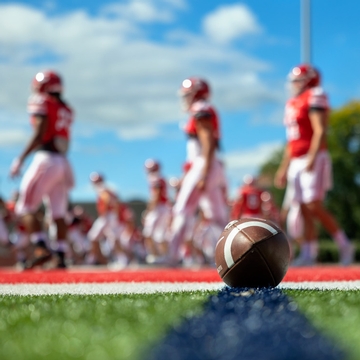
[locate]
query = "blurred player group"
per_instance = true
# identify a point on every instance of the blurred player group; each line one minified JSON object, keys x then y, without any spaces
{"x":177,"y":230}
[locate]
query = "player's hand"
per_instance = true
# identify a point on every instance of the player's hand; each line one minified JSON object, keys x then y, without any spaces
{"x":280,"y":179}
{"x":15,"y":168}
{"x":310,"y":165}
{"x":201,"y":183}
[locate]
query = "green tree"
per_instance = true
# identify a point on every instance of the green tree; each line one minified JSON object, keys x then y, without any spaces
{"x":344,"y":146}
{"x":266,"y":176}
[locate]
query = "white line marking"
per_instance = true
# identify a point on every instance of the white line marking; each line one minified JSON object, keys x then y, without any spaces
{"x":228,"y":242}
{"x":150,"y":287}
{"x":322,"y":285}
{"x":106,"y":288}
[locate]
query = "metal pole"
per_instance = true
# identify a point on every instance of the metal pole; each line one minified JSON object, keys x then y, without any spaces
{"x":305,"y":32}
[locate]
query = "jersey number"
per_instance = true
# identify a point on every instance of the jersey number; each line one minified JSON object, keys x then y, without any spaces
{"x":292,"y":126}
{"x":63,"y":120}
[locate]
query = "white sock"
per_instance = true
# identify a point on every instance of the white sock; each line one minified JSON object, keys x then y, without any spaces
{"x":62,"y":246}
{"x":313,"y":250}
{"x":90,"y":259}
{"x":341,"y":239}
{"x":37,"y":236}
{"x":304,"y":250}
{"x":309,"y":250}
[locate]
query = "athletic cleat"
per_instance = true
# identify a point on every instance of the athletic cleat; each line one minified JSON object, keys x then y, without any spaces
{"x":61,"y":264}
{"x":301,"y":261}
{"x":165,"y":260}
{"x":41,"y":256}
{"x":38,"y":260}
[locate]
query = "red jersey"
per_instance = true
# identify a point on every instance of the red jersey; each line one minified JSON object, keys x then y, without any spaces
{"x":249,"y":202}
{"x":158,"y":184}
{"x":59,"y":119}
{"x":125,"y":213}
{"x":107,"y":201}
{"x":297,"y":121}
{"x":200,"y":109}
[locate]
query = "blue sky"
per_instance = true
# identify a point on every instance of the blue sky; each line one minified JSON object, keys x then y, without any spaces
{"x":123,"y":62}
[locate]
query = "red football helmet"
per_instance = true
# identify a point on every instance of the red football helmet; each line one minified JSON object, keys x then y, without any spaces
{"x":193,"y":89}
{"x":96,"y":178}
{"x":316,"y":80}
{"x":151,"y":165}
{"x":47,"y":81}
{"x":304,"y":75}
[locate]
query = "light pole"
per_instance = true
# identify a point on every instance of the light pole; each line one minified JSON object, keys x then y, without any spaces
{"x":305,"y":21}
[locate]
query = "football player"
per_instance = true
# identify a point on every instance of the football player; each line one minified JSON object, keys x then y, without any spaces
{"x":202,"y":180}
{"x":158,"y":211}
{"x":107,"y":226}
{"x":4,"y":233}
{"x":49,"y":177}
{"x":306,"y":164}
{"x":249,"y":201}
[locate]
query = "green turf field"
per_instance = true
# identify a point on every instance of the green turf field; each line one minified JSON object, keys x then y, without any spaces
{"x":123,"y":326}
{"x":335,"y":312}
{"x":89,"y":327}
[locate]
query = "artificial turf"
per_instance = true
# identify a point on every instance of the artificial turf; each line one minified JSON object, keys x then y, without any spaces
{"x":89,"y":327}
{"x":128,"y":326}
{"x":335,"y":312}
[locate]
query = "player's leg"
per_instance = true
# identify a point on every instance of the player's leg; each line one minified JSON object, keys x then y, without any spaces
{"x":295,"y":228}
{"x":35,"y":183}
{"x":57,"y":205}
{"x":118,"y":241}
{"x":212,"y":201}
{"x":184,"y":208}
{"x":160,"y":230}
{"x":148,"y":233}
{"x":4,"y":233}
{"x":307,"y":235}
{"x":316,"y":184}
{"x":331,"y":225}
{"x":94,"y":235}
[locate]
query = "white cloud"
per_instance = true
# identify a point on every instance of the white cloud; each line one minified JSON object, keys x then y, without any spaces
{"x":13,"y":137}
{"x":230,"y":22}
{"x":130,"y":133}
{"x":242,"y":162}
{"x":145,"y":11}
{"x":252,"y":157}
{"x":114,"y":74}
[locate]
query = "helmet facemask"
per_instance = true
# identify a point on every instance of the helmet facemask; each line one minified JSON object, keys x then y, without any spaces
{"x":193,"y":89}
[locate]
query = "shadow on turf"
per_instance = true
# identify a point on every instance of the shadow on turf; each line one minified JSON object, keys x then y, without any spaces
{"x":247,"y":324}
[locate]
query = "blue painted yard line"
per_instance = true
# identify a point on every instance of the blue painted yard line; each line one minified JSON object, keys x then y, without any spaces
{"x":247,"y":324}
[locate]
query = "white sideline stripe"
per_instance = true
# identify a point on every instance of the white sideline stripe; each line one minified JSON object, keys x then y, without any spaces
{"x":228,"y":242}
{"x":322,"y":285}
{"x":106,"y":288}
{"x":151,"y":287}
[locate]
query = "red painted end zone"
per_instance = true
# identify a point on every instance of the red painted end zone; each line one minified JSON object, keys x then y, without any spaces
{"x":318,"y":273}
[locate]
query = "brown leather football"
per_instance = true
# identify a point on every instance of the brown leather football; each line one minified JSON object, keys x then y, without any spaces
{"x":252,"y":253}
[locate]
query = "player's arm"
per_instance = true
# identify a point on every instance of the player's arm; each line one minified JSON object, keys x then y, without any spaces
{"x":155,"y":197}
{"x":318,"y":118}
{"x":205,"y":131}
{"x":280,"y":176}
{"x":107,"y":200}
{"x":39,"y":128}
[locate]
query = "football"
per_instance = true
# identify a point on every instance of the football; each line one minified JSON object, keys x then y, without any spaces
{"x":252,"y":253}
